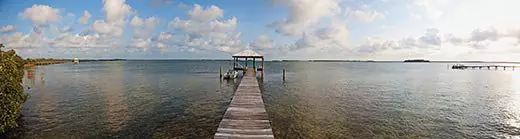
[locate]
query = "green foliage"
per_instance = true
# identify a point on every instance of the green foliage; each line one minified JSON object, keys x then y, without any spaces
{"x":11,"y":90}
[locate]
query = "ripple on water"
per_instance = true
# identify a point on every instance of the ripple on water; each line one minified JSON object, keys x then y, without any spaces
{"x":185,"y":99}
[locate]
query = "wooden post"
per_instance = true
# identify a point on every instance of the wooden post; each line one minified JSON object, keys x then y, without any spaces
{"x":263,"y":68}
{"x":254,"y":64}
{"x":283,"y":74}
{"x":220,"y":72}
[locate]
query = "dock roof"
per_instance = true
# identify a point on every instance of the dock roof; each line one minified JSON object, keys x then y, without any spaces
{"x":248,"y":54}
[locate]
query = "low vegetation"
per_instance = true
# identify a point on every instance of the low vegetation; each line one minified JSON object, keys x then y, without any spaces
{"x":44,"y":61}
{"x":12,"y":95}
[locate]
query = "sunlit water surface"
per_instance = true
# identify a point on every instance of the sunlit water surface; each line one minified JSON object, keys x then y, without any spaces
{"x":185,"y":99}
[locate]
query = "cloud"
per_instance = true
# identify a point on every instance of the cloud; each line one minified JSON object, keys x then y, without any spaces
{"x":303,"y":14}
{"x":366,"y":15}
{"x":204,"y":30}
{"x":490,"y":34}
{"x":109,"y":29}
{"x":144,"y":29}
{"x":41,"y":14}
{"x":142,"y":43}
{"x":66,"y":29}
{"x":183,"y":6}
{"x":454,"y":39}
{"x":84,"y":19}
{"x":136,"y":22}
{"x":432,"y":37}
{"x":334,"y":36}
{"x":116,"y":10}
{"x":262,"y":42}
{"x":430,"y":8}
{"x":164,"y":36}
{"x":375,"y":44}
{"x":318,"y":24}
{"x":197,"y":13}
{"x":82,"y":41}
{"x":158,"y":3}
{"x":18,"y":40}
{"x":161,"y":46}
{"x":8,"y":28}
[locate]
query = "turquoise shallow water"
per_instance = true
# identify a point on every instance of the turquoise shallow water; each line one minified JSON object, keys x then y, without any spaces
{"x":185,"y":99}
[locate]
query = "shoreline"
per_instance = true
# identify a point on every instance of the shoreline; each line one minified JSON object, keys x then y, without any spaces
{"x":29,"y":63}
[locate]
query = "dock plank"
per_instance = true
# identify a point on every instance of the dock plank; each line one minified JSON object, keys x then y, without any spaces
{"x":246,"y":116}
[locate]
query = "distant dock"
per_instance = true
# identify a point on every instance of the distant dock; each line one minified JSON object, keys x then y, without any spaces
{"x":488,"y":67}
{"x":246,"y":116}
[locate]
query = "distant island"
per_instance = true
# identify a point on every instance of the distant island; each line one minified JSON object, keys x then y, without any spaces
{"x":417,"y":60}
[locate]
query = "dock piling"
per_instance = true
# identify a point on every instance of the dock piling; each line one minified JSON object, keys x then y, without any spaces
{"x":220,"y":72}
{"x":283,"y":74}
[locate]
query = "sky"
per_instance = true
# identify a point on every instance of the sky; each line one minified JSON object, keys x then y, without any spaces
{"x":487,"y":30}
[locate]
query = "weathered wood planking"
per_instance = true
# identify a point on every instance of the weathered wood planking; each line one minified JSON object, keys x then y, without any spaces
{"x":246,"y":116}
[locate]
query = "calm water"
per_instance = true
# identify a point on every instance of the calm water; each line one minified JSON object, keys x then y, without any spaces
{"x":185,"y":99}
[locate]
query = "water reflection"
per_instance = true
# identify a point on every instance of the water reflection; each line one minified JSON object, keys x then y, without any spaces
{"x":112,"y":87}
{"x":389,"y":100}
{"x":185,"y":99}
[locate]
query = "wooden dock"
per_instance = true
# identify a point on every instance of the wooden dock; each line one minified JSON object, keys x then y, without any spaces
{"x":489,"y":67}
{"x":246,"y":116}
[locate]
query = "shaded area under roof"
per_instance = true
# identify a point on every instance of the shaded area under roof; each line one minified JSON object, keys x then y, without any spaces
{"x":248,"y":54}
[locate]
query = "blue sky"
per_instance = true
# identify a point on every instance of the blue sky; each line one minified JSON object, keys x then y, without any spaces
{"x":279,"y":29}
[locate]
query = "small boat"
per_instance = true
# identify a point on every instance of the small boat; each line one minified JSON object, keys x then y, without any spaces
{"x":230,"y":74}
{"x":75,"y":60}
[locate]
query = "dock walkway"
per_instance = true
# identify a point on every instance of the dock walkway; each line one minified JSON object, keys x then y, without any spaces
{"x":246,"y":116}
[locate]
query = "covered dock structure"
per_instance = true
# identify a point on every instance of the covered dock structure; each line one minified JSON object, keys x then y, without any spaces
{"x":247,"y":55}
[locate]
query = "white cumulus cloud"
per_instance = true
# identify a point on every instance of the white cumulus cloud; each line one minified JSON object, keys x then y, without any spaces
{"x":366,"y":15}
{"x":110,"y":29}
{"x":18,"y":40}
{"x":41,"y":14}
{"x":204,"y":30}
{"x":116,"y":10}
{"x":197,"y":13}
{"x":7,"y":28}
{"x":303,"y":14}
{"x":136,"y":22}
{"x":144,"y":29}
{"x":263,"y":42}
{"x":84,"y":19}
